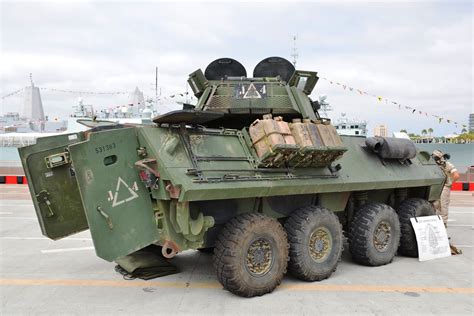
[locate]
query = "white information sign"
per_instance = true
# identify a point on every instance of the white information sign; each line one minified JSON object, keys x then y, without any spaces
{"x":431,"y":237}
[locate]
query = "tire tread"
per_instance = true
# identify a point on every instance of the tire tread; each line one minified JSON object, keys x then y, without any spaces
{"x":225,"y":259}
{"x":359,"y":234}
{"x":295,"y":226}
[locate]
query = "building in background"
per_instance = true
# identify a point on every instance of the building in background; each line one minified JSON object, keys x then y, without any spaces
{"x":471,"y":123}
{"x":381,"y":130}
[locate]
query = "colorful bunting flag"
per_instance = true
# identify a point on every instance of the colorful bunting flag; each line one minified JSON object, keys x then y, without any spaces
{"x":380,"y":98}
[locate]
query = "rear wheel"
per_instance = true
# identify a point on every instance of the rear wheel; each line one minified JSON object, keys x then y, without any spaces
{"x":374,"y":234}
{"x":251,"y":255}
{"x":315,"y":237}
{"x":409,"y":208}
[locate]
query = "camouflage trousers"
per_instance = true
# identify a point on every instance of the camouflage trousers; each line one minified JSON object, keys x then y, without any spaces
{"x":441,"y":206}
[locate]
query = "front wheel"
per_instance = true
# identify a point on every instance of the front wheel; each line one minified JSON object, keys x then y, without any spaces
{"x":251,"y":255}
{"x":315,"y":237}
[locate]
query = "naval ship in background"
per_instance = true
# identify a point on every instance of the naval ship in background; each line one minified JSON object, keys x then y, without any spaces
{"x":23,"y":128}
{"x":352,"y":127}
{"x":19,"y":129}
{"x":343,"y":124}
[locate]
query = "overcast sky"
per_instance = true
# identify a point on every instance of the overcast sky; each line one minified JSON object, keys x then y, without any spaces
{"x":418,"y":54}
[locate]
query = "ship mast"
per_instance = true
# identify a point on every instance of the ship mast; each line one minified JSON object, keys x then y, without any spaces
{"x":294,"y":51}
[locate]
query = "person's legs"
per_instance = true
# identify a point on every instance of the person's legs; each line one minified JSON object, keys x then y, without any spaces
{"x":444,"y":205}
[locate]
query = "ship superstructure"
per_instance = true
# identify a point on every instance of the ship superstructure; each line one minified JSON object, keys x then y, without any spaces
{"x":350,"y":127}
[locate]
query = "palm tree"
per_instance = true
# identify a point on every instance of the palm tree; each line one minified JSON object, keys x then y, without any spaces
{"x":403,"y":131}
{"x":424,"y":132}
{"x":430,"y":130}
{"x":464,"y":131}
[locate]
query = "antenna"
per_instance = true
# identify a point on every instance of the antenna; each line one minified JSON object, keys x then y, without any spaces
{"x":187,"y":93}
{"x":294,"y":51}
{"x":156,"y":86}
{"x":31,"y":79}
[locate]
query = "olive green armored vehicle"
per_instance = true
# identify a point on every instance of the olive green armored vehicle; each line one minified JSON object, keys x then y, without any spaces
{"x":251,"y":171}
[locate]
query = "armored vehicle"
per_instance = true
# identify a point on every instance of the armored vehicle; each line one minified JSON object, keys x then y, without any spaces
{"x":251,"y":171}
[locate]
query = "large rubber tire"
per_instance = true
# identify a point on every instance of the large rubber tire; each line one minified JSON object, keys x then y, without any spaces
{"x":410,"y":208}
{"x":315,"y":237}
{"x":251,"y":255}
{"x":209,"y":250}
{"x":371,"y":223}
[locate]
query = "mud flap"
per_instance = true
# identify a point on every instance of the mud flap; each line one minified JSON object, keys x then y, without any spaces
{"x":118,"y":206}
{"x":53,"y":186}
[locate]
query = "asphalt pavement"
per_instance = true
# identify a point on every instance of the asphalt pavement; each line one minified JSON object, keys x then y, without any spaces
{"x":41,"y":276}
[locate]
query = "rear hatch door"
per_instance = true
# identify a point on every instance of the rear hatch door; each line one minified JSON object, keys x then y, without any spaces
{"x":53,"y":186}
{"x":118,"y":206}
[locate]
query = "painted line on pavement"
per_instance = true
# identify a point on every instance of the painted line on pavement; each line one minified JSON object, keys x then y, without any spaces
{"x":16,"y":217}
{"x":66,"y":249}
{"x":43,"y":238}
{"x":5,"y":213}
{"x":375,"y":288}
{"x":215,"y":285}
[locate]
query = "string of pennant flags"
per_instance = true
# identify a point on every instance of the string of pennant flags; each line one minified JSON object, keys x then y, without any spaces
{"x":400,"y":106}
{"x":85,"y":92}
{"x":345,"y":87}
{"x":172,"y":96}
{"x":66,"y":91}
{"x":12,"y":93}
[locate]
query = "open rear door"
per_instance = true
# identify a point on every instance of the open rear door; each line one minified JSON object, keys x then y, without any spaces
{"x":53,"y":186}
{"x":118,"y":206}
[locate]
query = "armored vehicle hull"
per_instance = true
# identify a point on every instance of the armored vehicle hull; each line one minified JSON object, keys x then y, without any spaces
{"x":183,"y":186}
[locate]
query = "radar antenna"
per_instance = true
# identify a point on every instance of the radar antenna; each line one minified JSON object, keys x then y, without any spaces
{"x":325,"y":107}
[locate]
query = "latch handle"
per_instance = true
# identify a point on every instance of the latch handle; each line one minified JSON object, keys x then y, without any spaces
{"x":106,"y":216}
{"x":42,"y":197}
{"x":50,"y":209}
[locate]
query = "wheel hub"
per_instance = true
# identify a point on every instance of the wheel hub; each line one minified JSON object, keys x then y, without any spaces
{"x":259,"y":257}
{"x":320,"y":244}
{"x":382,"y":236}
